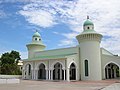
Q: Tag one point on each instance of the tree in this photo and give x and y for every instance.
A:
(9, 63)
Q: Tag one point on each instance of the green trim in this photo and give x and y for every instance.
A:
(49, 57)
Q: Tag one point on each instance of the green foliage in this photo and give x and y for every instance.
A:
(8, 63)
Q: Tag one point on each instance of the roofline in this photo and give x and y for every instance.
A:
(107, 51)
(57, 49)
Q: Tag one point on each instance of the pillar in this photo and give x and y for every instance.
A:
(115, 71)
(119, 71)
(23, 74)
(47, 74)
(51, 74)
(68, 74)
(64, 74)
(36, 74)
(111, 70)
(107, 73)
(77, 76)
(32, 73)
(60, 72)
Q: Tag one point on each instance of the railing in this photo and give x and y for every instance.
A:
(10, 76)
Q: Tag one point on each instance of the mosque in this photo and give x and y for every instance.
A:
(86, 61)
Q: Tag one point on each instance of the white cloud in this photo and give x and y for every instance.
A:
(23, 55)
(2, 14)
(40, 18)
(105, 15)
(67, 43)
(70, 35)
(56, 33)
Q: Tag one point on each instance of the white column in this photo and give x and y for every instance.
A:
(107, 73)
(119, 71)
(23, 74)
(77, 77)
(114, 71)
(68, 74)
(51, 74)
(36, 74)
(60, 73)
(64, 74)
(46, 74)
(111, 72)
(32, 73)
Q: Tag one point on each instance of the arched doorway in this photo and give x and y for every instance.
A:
(58, 73)
(72, 72)
(111, 71)
(42, 72)
(28, 73)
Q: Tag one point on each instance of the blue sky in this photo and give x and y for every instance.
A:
(58, 22)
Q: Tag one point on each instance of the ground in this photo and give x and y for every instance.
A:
(61, 85)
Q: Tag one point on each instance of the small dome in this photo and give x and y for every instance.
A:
(36, 34)
(88, 22)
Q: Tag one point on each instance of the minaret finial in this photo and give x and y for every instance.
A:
(36, 30)
(87, 17)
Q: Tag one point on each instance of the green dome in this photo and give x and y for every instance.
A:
(88, 22)
(36, 34)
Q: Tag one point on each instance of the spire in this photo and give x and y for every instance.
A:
(36, 30)
(87, 17)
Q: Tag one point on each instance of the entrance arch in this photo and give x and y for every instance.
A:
(72, 72)
(28, 73)
(41, 71)
(111, 71)
(58, 73)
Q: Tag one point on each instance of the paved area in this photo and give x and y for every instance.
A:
(61, 85)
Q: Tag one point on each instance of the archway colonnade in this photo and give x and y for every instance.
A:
(112, 70)
(57, 71)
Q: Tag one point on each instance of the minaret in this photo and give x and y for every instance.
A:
(35, 45)
(89, 41)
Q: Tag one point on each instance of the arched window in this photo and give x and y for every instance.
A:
(86, 68)
(35, 39)
(72, 72)
(29, 69)
(88, 27)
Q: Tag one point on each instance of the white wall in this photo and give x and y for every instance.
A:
(90, 50)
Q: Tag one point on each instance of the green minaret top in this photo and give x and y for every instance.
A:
(88, 26)
(88, 34)
(36, 34)
(36, 39)
(88, 22)
(35, 45)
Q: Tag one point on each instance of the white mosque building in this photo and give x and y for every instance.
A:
(86, 61)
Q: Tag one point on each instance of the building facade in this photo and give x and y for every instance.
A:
(86, 61)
